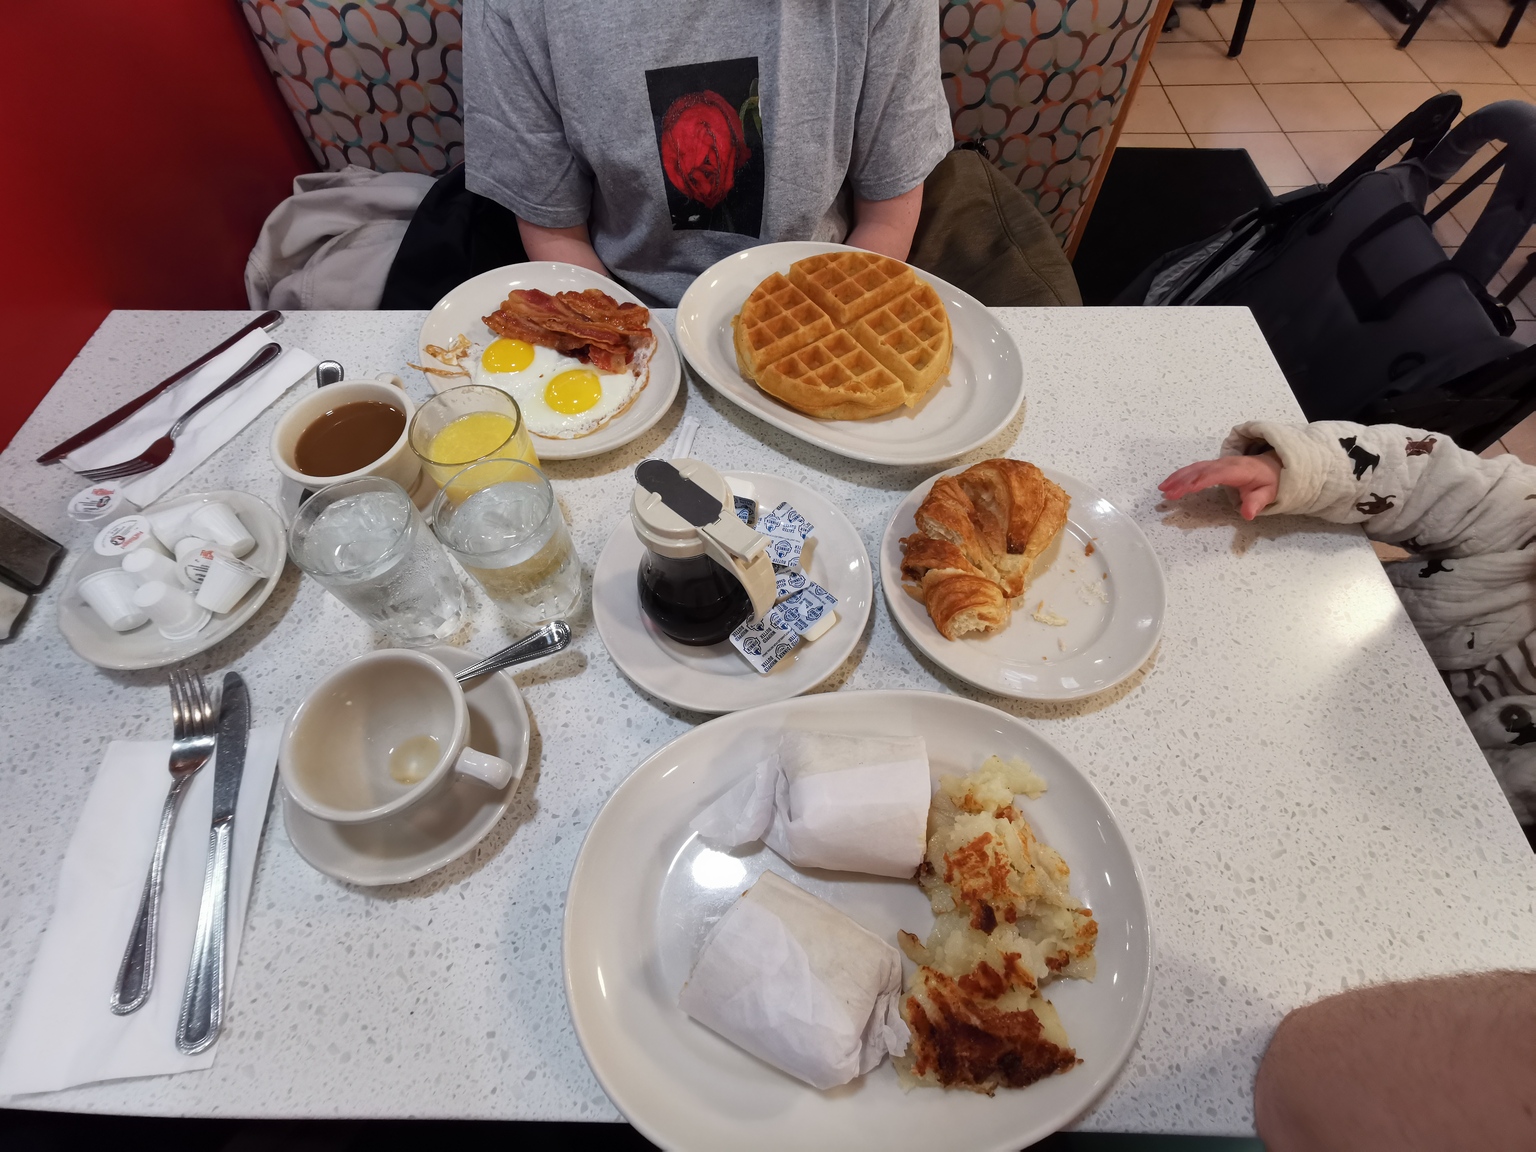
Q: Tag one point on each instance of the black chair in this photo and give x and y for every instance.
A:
(1417, 18)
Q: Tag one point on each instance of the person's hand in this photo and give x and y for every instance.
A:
(1256, 478)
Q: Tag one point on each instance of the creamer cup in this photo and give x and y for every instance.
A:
(174, 612)
(193, 556)
(127, 534)
(145, 566)
(110, 595)
(226, 581)
(219, 523)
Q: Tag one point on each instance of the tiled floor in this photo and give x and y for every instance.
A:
(1317, 83)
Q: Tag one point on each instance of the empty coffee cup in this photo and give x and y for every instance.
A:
(225, 582)
(174, 612)
(145, 566)
(379, 735)
(218, 523)
(110, 595)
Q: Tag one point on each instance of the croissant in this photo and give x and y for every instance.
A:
(987, 525)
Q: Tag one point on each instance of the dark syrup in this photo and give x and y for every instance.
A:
(692, 600)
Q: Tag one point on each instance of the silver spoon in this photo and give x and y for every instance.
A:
(548, 639)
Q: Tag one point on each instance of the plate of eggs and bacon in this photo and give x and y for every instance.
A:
(589, 366)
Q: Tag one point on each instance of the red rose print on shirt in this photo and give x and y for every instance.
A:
(708, 119)
(703, 146)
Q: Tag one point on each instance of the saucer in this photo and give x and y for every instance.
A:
(715, 677)
(434, 833)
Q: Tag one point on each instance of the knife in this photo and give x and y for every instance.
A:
(202, 1007)
(113, 419)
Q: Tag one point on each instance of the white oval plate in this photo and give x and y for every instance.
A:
(1104, 640)
(144, 647)
(981, 394)
(461, 311)
(645, 890)
(715, 677)
(425, 838)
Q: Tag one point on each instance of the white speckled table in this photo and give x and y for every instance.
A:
(1309, 809)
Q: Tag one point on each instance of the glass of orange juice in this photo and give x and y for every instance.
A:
(459, 426)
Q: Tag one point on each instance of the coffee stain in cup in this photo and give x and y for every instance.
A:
(412, 759)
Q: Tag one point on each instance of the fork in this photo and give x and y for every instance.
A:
(192, 728)
(160, 451)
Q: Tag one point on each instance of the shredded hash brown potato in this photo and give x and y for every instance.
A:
(1005, 925)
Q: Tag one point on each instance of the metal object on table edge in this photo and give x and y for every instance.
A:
(268, 320)
(202, 1005)
(192, 744)
(547, 640)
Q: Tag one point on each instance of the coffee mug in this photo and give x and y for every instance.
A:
(399, 463)
(379, 735)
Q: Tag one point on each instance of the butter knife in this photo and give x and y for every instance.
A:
(269, 319)
(202, 1007)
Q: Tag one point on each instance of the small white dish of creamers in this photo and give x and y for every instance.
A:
(716, 677)
(167, 583)
(391, 770)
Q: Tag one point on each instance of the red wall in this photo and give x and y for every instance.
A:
(148, 144)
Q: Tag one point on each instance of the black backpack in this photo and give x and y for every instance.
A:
(1366, 314)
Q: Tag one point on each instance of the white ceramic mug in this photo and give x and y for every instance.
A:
(345, 743)
(399, 464)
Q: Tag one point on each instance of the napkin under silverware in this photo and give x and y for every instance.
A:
(799, 984)
(63, 1032)
(209, 430)
(853, 803)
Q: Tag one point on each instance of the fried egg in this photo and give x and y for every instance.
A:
(561, 398)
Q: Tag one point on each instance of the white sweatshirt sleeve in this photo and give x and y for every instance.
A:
(1408, 487)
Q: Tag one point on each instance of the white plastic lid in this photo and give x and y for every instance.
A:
(662, 530)
(95, 503)
(126, 534)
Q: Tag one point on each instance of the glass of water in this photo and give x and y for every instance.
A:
(370, 548)
(501, 521)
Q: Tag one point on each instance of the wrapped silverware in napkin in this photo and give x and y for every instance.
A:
(799, 984)
(853, 803)
(63, 1032)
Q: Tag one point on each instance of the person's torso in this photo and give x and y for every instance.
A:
(708, 128)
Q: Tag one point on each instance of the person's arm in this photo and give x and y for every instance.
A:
(1404, 485)
(886, 226)
(1434, 1064)
(565, 245)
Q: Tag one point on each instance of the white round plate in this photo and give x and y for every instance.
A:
(645, 890)
(461, 310)
(981, 394)
(432, 834)
(715, 677)
(144, 647)
(1113, 600)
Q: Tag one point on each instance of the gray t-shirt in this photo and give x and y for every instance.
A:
(683, 132)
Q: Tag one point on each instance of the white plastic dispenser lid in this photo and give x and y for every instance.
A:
(662, 530)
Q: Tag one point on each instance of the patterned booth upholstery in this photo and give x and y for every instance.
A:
(377, 83)
(1040, 85)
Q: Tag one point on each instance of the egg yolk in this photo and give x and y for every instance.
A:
(574, 391)
(503, 355)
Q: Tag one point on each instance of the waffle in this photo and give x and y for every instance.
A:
(910, 336)
(846, 285)
(835, 378)
(845, 336)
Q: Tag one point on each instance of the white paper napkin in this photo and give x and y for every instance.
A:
(799, 984)
(64, 1033)
(209, 430)
(853, 803)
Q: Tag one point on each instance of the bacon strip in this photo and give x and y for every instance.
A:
(589, 325)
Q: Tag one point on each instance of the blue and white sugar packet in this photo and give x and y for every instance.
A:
(745, 509)
(789, 582)
(784, 551)
(764, 642)
(785, 522)
(805, 608)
